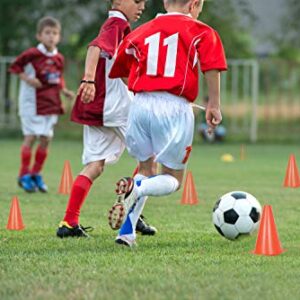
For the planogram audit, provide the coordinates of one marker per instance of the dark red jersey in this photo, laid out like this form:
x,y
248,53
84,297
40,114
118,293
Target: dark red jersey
x,y
110,105
48,68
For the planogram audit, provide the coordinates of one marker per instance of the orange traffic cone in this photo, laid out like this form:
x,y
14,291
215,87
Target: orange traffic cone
x,y
292,178
267,242
189,195
242,152
15,221
66,181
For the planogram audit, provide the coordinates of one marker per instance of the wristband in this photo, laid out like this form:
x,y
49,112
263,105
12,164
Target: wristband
x,y
88,81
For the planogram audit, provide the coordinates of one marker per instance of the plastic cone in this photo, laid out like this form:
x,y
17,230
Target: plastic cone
x,y
189,195
242,152
66,181
292,178
15,221
267,242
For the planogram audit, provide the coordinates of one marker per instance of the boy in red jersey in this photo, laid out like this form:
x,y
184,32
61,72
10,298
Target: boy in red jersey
x,y
102,107
160,59
41,72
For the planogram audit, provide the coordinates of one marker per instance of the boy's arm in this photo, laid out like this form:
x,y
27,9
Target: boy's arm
x,y
87,90
68,93
17,67
213,113
34,82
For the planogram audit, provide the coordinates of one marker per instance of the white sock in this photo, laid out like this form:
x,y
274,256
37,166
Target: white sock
x,y
133,216
159,185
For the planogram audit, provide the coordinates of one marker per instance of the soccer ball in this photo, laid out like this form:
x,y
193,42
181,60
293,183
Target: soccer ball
x,y
236,213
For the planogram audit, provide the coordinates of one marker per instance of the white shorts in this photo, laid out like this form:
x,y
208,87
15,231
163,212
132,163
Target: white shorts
x,y
103,143
38,125
161,125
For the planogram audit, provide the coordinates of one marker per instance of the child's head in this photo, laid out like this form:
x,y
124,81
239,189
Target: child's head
x,y
193,7
133,9
48,32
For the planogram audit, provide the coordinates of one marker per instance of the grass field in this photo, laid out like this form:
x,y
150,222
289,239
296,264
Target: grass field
x,y
187,259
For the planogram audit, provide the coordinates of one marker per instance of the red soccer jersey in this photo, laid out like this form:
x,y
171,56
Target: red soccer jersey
x,y
162,55
111,101
48,68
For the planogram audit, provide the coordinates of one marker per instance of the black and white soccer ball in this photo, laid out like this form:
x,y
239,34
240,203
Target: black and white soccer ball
x,y
236,213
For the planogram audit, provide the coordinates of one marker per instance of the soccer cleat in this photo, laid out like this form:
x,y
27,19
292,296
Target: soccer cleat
x,y
124,241
39,182
125,201
65,230
144,228
26,183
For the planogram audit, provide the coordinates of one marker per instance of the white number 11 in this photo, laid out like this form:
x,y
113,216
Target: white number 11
x,y
153,51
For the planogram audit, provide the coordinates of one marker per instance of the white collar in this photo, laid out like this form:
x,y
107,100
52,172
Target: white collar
x,y
116,14
44,50
172,14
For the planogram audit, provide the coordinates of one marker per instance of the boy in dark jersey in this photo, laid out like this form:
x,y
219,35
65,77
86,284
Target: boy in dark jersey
x,y
41,72
102,107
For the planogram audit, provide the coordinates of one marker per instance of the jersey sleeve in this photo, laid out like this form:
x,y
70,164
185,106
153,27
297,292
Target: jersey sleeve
x,y
21,61
126,56
110,36
211,52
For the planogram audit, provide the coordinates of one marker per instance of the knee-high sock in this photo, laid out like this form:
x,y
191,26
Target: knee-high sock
x,y
80,189
40,157
159,185
129,225
25,160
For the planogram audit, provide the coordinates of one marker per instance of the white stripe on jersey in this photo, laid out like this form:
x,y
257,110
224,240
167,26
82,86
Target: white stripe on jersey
x,y
27,94
189,54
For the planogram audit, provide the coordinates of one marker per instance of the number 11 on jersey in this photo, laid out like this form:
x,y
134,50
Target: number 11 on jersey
x,y
153,53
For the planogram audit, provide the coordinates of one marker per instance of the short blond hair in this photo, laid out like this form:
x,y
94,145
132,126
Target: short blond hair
x,y
47,22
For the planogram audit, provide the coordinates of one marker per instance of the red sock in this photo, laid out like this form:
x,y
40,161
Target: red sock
x,y
80,189
25,160
40,157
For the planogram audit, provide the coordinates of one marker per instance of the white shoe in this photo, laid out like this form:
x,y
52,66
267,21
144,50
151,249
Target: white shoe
x,y
126,199
125,241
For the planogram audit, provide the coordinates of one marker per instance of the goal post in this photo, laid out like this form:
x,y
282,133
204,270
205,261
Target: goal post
x,y
239,98
8,95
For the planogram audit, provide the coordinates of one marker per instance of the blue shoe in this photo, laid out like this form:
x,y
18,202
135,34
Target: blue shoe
x,y
39,183
26,183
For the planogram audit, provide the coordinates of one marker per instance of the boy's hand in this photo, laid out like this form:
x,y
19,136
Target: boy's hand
x,y
87,91
69,94
34,82
213,117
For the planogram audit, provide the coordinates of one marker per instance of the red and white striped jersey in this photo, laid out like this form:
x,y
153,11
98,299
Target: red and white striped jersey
x,y
48,68
111,102
163,54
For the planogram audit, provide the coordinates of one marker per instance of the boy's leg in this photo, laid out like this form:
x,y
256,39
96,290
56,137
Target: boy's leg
x,y
101,145
80,189
40,158
141,226
24,179
41,154
160,185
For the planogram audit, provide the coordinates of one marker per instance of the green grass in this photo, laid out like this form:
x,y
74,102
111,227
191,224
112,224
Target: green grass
x,y
187,259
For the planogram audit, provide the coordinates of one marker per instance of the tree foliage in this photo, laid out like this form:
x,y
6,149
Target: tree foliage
x,y
289,41
81,20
